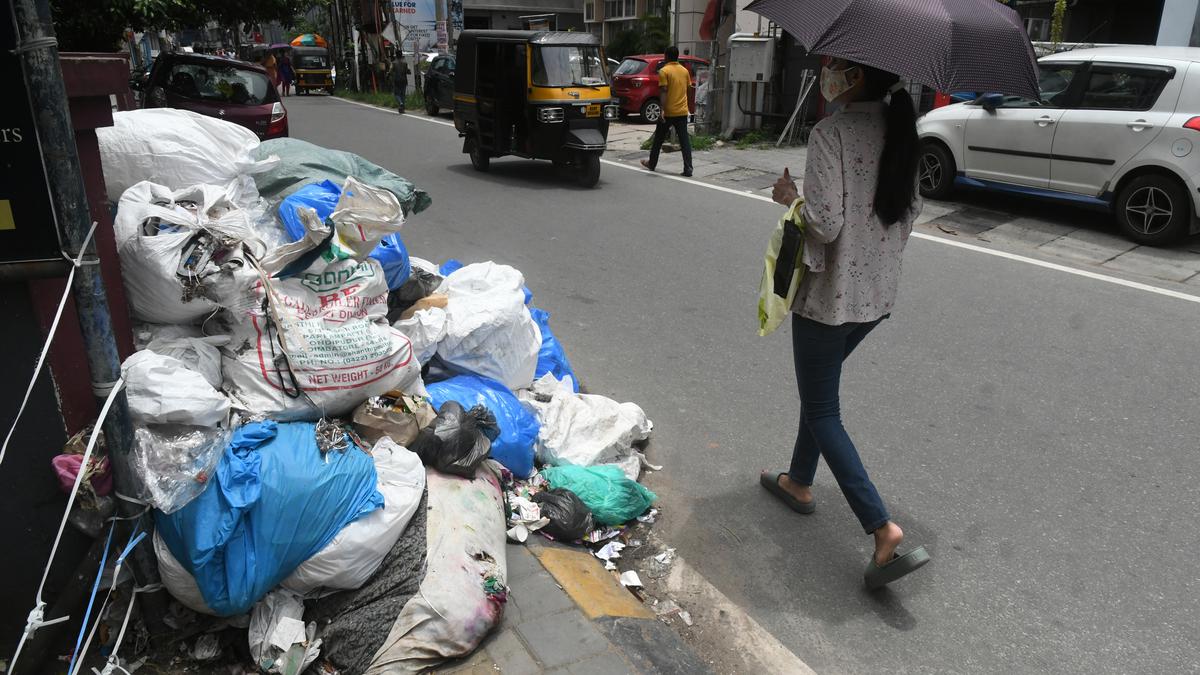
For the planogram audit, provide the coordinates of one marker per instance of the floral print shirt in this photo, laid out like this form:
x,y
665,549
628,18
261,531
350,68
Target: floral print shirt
x,y
853,261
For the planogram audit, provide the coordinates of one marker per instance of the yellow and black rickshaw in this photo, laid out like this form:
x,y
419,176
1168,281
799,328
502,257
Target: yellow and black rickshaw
x,y
313,72
533,94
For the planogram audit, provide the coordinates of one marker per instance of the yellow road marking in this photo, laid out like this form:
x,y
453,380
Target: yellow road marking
x,y
595,590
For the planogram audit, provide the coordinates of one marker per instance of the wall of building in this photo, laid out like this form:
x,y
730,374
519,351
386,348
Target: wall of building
x,y
1180,26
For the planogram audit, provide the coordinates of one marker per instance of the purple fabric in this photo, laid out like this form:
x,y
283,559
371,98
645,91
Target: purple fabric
x,y
950,45
66,468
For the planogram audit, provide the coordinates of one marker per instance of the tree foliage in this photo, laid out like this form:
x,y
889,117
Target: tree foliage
x,y
91,25
650,35
1056,24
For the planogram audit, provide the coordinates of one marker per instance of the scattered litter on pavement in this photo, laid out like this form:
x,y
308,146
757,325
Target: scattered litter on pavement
x,y
631,579
648,517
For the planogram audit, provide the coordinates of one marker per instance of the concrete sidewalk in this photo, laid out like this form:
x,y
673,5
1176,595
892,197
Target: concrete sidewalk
x,y
566,614
1020,226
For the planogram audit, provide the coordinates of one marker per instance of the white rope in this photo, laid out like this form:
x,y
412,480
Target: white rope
x,y
138,536
37,615
113,662
75,264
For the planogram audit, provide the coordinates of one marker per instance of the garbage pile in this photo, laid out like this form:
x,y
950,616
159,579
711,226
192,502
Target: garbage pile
x,y
337,437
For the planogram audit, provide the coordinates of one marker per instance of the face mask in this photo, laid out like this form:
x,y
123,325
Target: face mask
x,y
834,83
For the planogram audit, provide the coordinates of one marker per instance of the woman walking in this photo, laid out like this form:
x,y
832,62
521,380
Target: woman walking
x,y
861,198
286,74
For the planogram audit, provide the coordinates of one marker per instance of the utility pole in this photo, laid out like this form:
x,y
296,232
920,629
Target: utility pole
x,y
38,51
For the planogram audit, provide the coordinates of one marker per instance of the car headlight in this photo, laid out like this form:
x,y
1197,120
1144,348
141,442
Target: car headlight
x,y
550,115
611,112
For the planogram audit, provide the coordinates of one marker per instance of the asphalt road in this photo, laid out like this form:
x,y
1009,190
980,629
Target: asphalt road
x,y
1037,431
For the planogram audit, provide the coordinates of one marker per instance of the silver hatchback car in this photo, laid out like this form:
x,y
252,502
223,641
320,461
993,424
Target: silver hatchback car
x,y
1116,128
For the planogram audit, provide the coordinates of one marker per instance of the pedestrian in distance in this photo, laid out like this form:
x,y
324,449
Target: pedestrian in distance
x,y
286,74
272,66
860,200
674,83
400,80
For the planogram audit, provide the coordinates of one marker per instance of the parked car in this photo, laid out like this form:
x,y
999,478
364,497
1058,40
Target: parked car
x,y
1116,128
635,84
218,87
439,85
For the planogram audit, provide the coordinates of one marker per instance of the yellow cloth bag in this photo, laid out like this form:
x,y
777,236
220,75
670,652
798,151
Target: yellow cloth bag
x,y
782,270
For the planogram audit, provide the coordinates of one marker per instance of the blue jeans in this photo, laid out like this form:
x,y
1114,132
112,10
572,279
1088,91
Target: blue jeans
x,y
819,351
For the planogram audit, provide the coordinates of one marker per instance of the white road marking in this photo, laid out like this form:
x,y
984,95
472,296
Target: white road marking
x,y
1087,274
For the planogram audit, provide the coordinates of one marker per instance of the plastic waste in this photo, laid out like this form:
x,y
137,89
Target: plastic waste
x,y
489,330
458,440
177,248
514,447
425,329
163,390
421,283
276,499
311,338
198,354
301,163
280,642
394,415
359,548
324,198
613,498
178,149
583,429
570,518
174,463
463,596
552,358
782,270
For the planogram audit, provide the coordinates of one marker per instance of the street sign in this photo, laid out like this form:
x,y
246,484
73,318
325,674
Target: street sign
x,y
27,228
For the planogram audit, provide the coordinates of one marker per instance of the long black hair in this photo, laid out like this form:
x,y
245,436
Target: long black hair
x,y
896,190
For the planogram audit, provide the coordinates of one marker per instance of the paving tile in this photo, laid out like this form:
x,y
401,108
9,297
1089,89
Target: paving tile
x,y
652,647
521,563
514,615
1158,263
478,663
538,595
1032,232
563,638
507,650
1088,246
1194,281
607,663
933,210
705,169
971,220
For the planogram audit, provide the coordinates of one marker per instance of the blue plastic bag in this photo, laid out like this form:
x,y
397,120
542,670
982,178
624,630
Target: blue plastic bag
x,y
518,427
551,357
273,502
323,198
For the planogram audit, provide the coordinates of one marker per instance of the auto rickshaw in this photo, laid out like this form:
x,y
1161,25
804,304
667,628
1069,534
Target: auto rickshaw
x,y
312,69
533,94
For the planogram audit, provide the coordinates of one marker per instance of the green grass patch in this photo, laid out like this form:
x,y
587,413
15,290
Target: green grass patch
x,y
754,138
384,99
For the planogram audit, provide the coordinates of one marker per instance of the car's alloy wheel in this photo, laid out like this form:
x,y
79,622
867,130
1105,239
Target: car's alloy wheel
x,y
1149,210
652,111
930,172
935,171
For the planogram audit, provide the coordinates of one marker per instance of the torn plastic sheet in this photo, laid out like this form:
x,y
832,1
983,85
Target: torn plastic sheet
x,y
631,579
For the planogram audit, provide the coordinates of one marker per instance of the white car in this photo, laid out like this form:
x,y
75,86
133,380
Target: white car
x,y
1117,129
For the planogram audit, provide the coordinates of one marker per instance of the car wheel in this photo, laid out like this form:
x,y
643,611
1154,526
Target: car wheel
x,y
480,158
651,111
935,171
1153,210
588,170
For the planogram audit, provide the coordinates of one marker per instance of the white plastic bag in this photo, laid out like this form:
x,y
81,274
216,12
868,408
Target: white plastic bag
x,y
356,552
179,582
180,148
316,342
489,330
177,247
280,642
163,390
426,329
199,354
583,429
454,610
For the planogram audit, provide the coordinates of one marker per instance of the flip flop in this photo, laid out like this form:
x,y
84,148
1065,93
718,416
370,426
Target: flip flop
x,y
899,566
771,483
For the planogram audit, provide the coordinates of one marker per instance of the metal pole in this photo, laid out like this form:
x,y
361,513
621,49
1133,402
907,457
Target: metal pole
x,y
43,77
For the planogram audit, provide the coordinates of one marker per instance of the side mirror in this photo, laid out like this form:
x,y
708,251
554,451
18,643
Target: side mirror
x,y
990,102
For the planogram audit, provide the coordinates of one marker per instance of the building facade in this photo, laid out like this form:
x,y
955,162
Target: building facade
x,y
523,14
1173,23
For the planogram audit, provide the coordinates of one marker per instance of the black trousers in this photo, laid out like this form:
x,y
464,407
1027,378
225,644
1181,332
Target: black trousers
x,y
679,124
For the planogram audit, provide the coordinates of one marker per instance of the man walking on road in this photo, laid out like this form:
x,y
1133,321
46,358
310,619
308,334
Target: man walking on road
x,y
400,80
674,82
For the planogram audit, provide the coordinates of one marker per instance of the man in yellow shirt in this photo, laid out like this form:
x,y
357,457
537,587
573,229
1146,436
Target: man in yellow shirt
x,y
674,83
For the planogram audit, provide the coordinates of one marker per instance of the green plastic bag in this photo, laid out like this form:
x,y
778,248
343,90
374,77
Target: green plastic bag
x,y
613,498
782,270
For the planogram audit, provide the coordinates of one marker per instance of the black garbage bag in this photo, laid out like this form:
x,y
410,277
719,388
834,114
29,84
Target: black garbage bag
x,y
570,518
421,284
458,440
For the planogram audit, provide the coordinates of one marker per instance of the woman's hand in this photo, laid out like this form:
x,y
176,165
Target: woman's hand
x,y
785,191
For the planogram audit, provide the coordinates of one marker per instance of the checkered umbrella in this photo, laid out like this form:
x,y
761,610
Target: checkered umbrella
x,y
950,45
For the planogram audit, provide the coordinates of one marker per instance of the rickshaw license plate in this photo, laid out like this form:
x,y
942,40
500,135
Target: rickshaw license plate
x,y
593,110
